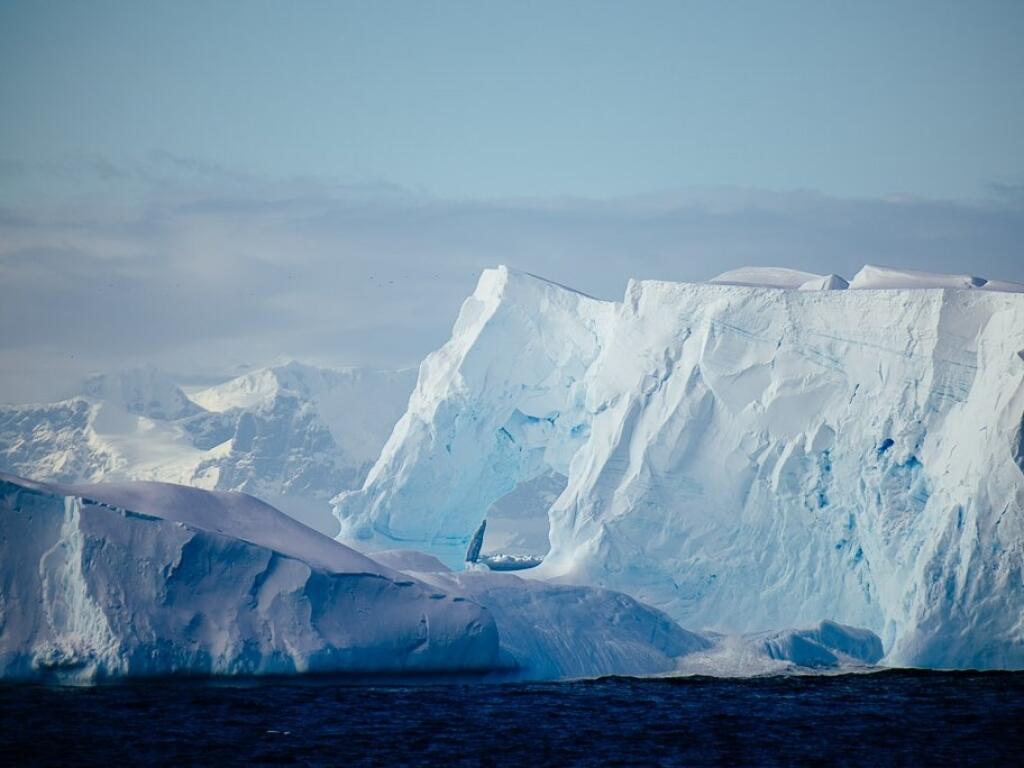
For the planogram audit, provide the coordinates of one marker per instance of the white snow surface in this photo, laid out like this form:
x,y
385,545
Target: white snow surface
x,y
554,631
99,582
294,434
870,277
873,277
768,277
744,458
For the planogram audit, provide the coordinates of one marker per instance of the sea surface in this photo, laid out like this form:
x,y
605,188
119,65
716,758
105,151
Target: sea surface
x,y
884,718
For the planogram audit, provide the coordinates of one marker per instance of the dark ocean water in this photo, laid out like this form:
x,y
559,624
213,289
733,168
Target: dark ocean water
x,y
889,718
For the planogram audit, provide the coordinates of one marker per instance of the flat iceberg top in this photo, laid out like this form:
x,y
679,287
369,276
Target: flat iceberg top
x,y
870,277
230,513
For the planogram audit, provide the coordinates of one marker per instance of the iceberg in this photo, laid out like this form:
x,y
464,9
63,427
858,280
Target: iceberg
x,y
555,631
126,580
138,579
761,452
827,648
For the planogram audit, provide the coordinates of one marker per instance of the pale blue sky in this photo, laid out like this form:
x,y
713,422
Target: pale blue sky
x,y
206,186
535,99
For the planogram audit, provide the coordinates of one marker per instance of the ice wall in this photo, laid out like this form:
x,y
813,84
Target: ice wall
x,y
90,590
500,403
744,458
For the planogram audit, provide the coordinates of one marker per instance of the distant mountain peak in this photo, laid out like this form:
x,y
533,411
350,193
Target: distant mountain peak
x,y
143,391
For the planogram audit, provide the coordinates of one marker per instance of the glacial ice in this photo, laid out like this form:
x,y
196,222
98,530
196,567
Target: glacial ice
x,y
828,647
745,458
117,580
555,631
100,582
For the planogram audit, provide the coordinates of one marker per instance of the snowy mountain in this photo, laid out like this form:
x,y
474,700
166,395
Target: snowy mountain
x,y
762,452
142,392
293,434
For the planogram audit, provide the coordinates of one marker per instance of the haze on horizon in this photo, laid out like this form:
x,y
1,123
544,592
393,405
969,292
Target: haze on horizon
x,y
209,186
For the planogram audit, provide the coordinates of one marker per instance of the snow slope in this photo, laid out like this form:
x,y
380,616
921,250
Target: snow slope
x,y
293,434
873,277
745,458
102,581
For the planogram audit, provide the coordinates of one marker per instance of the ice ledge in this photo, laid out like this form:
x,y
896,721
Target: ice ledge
x,y
870,277
502,283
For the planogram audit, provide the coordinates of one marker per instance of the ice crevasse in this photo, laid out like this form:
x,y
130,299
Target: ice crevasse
x,y
743,456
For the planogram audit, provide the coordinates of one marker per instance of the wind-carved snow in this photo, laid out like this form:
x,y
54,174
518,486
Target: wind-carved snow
x,y
875,277
293,434
744,458
780,277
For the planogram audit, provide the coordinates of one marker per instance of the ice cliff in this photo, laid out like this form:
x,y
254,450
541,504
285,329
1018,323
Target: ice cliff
x,y
107,581
762,452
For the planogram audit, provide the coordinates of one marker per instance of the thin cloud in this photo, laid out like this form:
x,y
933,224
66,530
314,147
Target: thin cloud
x,y
232,271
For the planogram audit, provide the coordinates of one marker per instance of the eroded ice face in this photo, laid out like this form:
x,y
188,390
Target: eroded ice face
x,y
746,458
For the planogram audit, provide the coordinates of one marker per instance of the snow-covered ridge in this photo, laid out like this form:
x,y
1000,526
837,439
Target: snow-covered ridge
x,y
742,457
142,391
293,434
870,277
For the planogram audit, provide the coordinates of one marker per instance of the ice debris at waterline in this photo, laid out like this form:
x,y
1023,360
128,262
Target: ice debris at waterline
x,y
743,457
554,631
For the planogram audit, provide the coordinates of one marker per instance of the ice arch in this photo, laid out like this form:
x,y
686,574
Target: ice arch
x,y
479,424
742,457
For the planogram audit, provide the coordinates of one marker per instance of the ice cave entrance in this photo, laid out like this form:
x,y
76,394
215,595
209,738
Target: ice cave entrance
x,y
514,534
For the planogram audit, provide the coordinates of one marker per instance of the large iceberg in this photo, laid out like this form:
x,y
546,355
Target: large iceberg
x,y
107,581
110,581
745,457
